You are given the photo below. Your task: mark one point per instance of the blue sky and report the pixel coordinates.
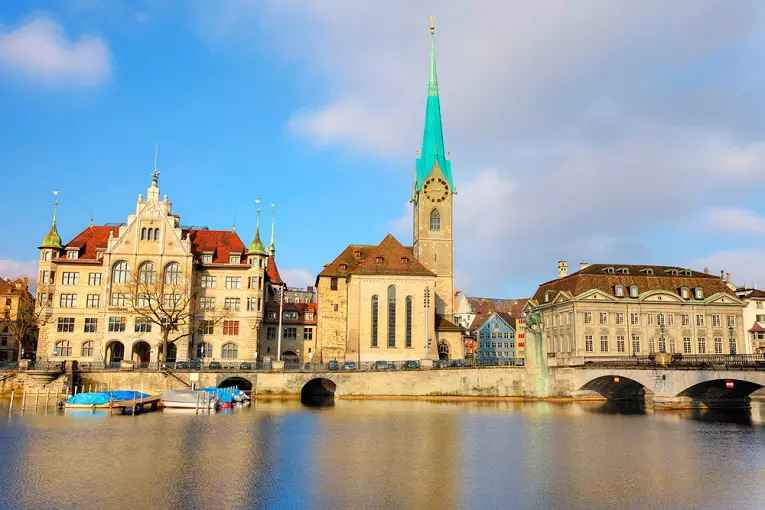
(597, 132)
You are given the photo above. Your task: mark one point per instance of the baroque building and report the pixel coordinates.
(395, 302)
(628, 310)
(114, 291)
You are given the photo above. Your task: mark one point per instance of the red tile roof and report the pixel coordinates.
(660, 278)
(389, 257)
(757, 327)
(221, 243)
(273, 271)
(300, 308)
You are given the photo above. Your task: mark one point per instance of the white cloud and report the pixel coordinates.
(18, 268)
(297, 277)
(734, 220)
(39, 49)
(745, 265)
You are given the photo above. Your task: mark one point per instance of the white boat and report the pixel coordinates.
(189, 399)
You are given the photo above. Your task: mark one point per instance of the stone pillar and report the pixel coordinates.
(536, 364)
(277, 366)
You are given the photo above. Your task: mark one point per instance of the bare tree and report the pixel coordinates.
(167, 301)
(24, 318)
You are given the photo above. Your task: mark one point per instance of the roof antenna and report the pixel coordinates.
(91, 216)
(233, 229)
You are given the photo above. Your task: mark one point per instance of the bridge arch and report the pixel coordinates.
(319, 391)
(616, 387)
(241, 383)
(721, 393)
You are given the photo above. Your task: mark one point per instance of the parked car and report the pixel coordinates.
(458, 363)
(411, 364)
(391, 366)
(349, 365)
(440, 363)
(332, 365)
(195, 364)
(380, 365)
(179, 365)
(215, 365)
(245, 366)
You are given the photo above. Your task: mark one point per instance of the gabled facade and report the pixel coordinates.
(497, 340)
(391, 302)
(754, 318)
(298, 331)
(626, 310)
(86, 287)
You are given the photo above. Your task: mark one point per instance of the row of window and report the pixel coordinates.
(141, 324)
(63, 348)
(496, 334)
(121, 300)
(651, 319)
(288, 333)
(391, 319)
(69, 278)
(496, 345)
(664, 344)
(227, 351)
(291, 315)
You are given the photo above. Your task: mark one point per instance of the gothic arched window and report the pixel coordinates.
(230, 351)
(392, 316)
(409, 321)
(121, 272)
(173, 273)
(147, 273)
(375, 321)
(435, 220)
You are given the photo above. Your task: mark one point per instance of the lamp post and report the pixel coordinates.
(662, 343)
(279, 332)
(427, 306)
(732, 341)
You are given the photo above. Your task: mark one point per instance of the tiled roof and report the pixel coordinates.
(751, 293)
(387, 258)
(221, 243)
(484, 306)
(444, 324)
(301, 308)
(273, 271)
(510, 320)
(757, 327)
(662, 278)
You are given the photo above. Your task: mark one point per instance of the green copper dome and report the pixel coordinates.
(256, 246)
(52, 240)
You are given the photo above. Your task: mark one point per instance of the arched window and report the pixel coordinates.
(230, 351)
(392, 316)
(121, 272)
(408, 321)
(143, 234)
(87, 349)
(156, 234)
(204, 350)
(63, 348)
(147, 273)
(173, 273)
(435, 220)
(375, 321)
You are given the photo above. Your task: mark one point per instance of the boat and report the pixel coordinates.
(189, 399)
(104, 398)
(225, 396)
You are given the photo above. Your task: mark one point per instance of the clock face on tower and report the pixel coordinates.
(435, 189)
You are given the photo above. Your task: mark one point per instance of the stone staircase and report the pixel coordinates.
(168, 373)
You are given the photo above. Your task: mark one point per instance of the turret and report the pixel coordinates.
(257, 252)
(51, 245)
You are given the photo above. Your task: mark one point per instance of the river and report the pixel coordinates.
(385, 454)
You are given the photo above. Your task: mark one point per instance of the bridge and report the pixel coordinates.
(709, 381)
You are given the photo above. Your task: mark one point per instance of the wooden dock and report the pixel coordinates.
(135, 406)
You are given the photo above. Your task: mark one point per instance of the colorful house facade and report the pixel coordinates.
(496, 340)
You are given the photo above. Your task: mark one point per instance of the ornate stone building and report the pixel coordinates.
(111, 291)
(626, 310)
(372, 298)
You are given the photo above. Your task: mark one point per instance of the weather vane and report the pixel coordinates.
(432, 25)
(155, 173)
(257, 201)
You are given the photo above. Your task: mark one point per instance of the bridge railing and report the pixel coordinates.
(678, 360)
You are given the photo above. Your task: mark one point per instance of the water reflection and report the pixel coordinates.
(479, 454)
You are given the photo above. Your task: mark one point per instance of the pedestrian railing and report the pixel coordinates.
(678, 360)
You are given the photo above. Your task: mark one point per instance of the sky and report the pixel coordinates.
(597, 131)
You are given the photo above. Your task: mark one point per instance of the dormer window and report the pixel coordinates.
(673, 272)
(684, 292)
(609, 270)
(404, 260)
(548, 295)
(623, 270)
(309, 316)
(633, 291)
(206, 259)
(357, 254)
(72, 254)
(343, 267)
(234, 259)
(379, 260)
(647, 271)
(698, 293)
(619, 290)
(687, 272)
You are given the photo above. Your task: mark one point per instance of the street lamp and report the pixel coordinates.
(427, 306)
(732, 339)
(662, 343)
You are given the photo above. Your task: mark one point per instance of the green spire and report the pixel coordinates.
(53, 240)
(256, 246)
(433, 137)
(272, 249)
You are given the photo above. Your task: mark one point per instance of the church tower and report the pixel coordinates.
(433, 196)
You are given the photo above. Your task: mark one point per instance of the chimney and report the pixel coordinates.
(727, 277)
(562, 268)
(706, 270)
(310, 288)
(583, 265)
(722, 275)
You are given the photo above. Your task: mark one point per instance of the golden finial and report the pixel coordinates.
(432, 25)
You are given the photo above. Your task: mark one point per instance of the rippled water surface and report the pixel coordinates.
(385, 454)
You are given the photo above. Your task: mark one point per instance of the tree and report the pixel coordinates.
(23, 317)
(167, 301)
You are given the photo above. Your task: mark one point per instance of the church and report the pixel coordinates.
(393, 302)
